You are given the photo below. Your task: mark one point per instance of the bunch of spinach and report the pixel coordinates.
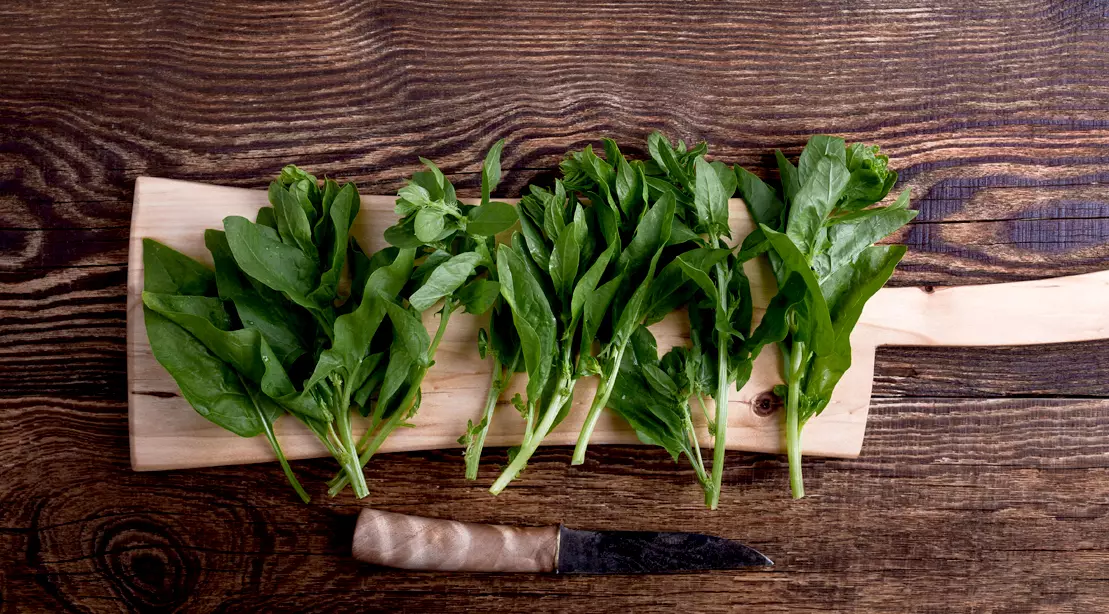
(710, 279)
(459, 270)
(821, 227)
(272, 314)
(581, 270)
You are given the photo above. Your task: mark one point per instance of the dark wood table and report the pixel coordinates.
(983, 485)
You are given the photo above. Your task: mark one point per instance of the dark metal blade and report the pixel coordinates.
(633, 552)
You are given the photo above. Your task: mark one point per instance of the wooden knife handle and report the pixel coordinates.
(412, 542)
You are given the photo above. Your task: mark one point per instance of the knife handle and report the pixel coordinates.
(412, 542)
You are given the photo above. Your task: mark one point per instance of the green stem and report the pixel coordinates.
(267, 429)
(793, 425)
(532, 440)
(720, 422)
(705, 410)
(351, 467)
(697, 460)
(366, 448)
(600, 400)
(496, 387)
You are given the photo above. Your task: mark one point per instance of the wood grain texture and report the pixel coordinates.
(981, 486)
(405, 541)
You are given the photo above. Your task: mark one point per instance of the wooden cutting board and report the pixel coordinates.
(166, 433)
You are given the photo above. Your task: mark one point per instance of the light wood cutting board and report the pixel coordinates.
(166, 433)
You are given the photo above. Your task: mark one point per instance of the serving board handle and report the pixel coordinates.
(1054, 310)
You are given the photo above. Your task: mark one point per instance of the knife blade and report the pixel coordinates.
(413, 542)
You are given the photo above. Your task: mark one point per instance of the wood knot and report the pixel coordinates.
(146, 563)
(767, 403)
(929, 289)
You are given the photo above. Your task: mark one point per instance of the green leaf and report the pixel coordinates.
(596, 306)
(429, 224)
(814, 203)
(478, 295)
(554, 218)
(211, 386)
(819, 147)
(341, 213)
(168, 270)
(587, 285)
(445, 279)
(403, 234)
(266, 218)
(670, 289)
(791, 181)
(409, 330)
(491, 176)
(282, 267)
(698, 276)
(244, 350)
(710, 199)
(322, 230)
(565, 258)
(532, 316)
(292, 221)
(817, 332)
(490, 219)
(282, 325)
(760, 198)
(853, 288)
(651, 235)
(630, 188)
(390, 279)
(849, 239)
(533, 240)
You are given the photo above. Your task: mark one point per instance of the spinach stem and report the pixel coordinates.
(720, 430)
(267, 428)
(349, 458)
(496, 387)
(793, 426)
(705, 410)
(600, 400)
(366, 447)
(698, 460)
(532, 440)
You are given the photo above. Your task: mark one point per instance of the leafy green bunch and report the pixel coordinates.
(710, 280)
(268, 331)
(459, 269)
(579, 273)
(454, 244)
(820, 227)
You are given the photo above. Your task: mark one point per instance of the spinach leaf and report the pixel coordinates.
(211, 386)
(282, 267)
(445, 279)
(168, 270)
(491, 219)
(827, 266)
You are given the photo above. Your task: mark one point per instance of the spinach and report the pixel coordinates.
(456, 244)
(269, 331)
(820, 229)
(214, 389)
(653, 397)
(720, 299)
(581, 270)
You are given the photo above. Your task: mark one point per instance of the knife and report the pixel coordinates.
(412, 542)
